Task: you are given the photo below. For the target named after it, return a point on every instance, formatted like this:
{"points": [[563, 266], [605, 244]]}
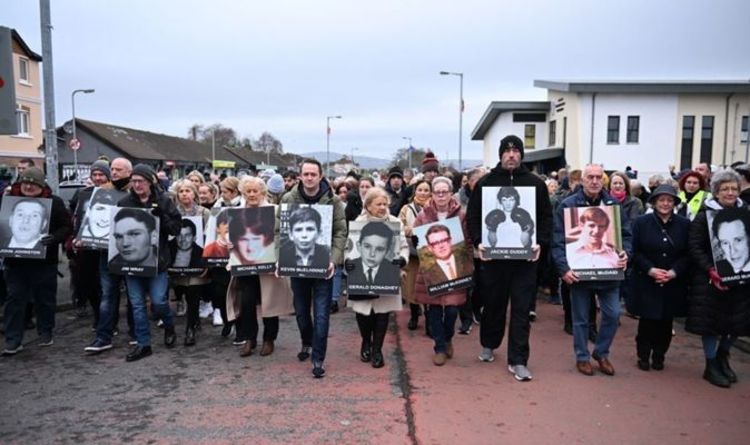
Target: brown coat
{"points": [[429, 214]]}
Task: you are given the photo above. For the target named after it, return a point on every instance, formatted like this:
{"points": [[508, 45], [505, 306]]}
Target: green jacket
{"points": [[325, 196]]}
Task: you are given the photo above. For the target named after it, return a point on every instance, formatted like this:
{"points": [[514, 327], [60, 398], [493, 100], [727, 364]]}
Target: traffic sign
{"points": [[74, 144]]}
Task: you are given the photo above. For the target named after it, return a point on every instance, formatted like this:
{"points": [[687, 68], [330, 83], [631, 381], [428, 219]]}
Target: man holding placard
{"points": [[579, 262], [508, 272]]}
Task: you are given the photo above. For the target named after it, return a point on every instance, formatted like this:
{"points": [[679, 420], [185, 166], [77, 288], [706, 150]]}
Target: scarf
{"points": [[421, 202], [619, 196]]}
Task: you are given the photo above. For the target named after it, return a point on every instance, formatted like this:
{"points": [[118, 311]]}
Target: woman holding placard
{"points": [[420, 198]]}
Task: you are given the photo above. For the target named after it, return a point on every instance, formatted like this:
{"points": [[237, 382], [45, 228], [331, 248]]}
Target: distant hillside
{"points": [[369, 163]]}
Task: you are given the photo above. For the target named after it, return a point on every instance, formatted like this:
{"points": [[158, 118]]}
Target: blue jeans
{"points": [[109, 306], [609, 302], [27, 283], [313, 294], [157, 288], [442, 320], [336, 285]]}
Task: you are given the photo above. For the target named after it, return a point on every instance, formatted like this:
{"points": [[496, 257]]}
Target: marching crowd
{"points": [[666, 253]]}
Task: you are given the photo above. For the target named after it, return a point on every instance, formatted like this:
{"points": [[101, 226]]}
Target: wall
{"points": [[503, 126], [572, 135]]}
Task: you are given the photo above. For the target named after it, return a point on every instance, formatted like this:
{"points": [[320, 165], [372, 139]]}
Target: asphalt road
{"points": [[208, 394]]}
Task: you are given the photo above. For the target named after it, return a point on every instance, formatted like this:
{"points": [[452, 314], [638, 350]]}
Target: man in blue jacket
{"points": [[591, 194]]}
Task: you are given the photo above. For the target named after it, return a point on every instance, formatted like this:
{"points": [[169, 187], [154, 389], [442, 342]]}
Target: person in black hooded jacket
{"points": [[509, 280], [144, 193]]}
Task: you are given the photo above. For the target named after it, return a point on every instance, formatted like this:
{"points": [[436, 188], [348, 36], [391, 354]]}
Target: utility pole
{"points": [[48, 81]]}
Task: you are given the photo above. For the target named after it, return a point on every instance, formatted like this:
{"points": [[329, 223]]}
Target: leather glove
{"points": [[348, 265], [715, 279], [399, 261], [48, 240], [414, 241]]}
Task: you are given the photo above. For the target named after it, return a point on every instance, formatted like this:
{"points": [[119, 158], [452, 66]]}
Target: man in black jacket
{"points": [[35, 279], [396, 189], [145, 194], [504, 280]]}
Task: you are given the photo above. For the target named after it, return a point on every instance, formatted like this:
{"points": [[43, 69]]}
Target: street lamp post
{"points": [[352, 153], [75, 135], [408, 149], [460, 113], [328, 141]]}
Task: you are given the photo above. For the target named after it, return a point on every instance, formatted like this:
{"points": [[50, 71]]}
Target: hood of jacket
{"points": [[713, 204]]}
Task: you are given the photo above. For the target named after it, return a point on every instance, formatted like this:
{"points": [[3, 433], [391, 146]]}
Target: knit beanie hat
{"points": [[276, 184], [508, 142], [430, 162], [102, 167], [144, 171], [395, 171], [33, 175]]}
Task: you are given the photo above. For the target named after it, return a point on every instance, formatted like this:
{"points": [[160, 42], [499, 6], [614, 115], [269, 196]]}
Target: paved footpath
{"points": [[208, 394]]}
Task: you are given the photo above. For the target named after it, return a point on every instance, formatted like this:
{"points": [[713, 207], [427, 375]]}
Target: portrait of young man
{"points": [[592, 249], [184, 248], [730, 229], [374, 266], [135, 236], [302, 246], [444, 259], [27, 222]]}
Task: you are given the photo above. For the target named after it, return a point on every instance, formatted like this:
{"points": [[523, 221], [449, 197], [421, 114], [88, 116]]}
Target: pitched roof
{"points": [[497, 107], [31, 54], [145, 145], [647, 86]]}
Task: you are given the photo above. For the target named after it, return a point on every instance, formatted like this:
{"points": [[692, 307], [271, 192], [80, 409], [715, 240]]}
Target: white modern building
{"points": [[648, 125]]}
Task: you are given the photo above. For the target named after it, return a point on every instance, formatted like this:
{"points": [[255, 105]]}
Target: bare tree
{"points": [[401, 158]]}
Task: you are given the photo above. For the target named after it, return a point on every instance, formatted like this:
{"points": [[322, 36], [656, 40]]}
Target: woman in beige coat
{"points": [[244, 293], [420, 198], [372, 311]]}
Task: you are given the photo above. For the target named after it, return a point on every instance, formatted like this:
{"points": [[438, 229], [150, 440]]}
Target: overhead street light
{"points": [[408, 149], [75, 136], [460, 113], [328, 141]]}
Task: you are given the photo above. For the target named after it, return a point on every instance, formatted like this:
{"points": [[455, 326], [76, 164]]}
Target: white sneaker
{"points": [[181, 309], [520, 372], [205, 309], [486, 355], [217, 318]]}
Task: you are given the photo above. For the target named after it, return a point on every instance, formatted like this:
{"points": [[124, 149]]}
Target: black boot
{"points": [[378, 337], [644, 351], [190, 337], [170, 337], [722, 357], [714, 375], [365, 352], [414, 319]]}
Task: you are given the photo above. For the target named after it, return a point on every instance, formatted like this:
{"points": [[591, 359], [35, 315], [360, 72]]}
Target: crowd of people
{"points": [[667, 229]]}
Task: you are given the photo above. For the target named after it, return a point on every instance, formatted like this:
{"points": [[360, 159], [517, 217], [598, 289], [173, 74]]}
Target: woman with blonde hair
{"points": [[195, 177], [245, 293], [373, 311]]}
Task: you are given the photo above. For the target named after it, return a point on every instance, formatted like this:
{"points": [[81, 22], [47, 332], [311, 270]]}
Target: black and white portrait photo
{"points": [[23, 223], [729, 231], [216, 249], [96, 214], [371, 248], [509, 215], [305, 237], [186, 249], [445, 260], [251, 237], [593, 242], [134, 242]]}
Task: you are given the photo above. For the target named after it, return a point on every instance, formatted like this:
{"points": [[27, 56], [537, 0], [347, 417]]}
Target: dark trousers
{"points": [[247, 322], [109, 306], [653, 339], [86, 280], [313, 295], [26, 283], [192, 296], [442, 320], [373, 328], [504, 282], [475, 293], [220, 281], [565, 294]]}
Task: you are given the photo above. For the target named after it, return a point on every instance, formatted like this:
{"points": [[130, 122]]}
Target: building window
{"points": [[23, 70], [633, 126], [552, 133], [743, 129], [686, 150], [529, 117], [24, 121], [613, 129], [707, 138], [529, 136]]}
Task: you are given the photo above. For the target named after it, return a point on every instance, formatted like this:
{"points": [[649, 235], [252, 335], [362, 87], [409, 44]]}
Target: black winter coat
{"points": [[170, 220], [664, 246], [711, 311]]}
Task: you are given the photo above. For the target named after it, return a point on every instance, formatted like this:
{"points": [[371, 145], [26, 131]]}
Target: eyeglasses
{"points": [[439, 242], [442, 193]]}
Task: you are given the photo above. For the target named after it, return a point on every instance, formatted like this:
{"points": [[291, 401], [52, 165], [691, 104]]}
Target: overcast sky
{"points": [[283, 66]]}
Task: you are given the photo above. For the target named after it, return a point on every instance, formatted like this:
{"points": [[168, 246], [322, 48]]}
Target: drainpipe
{"points": [[591, 145], [726, 130]]}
